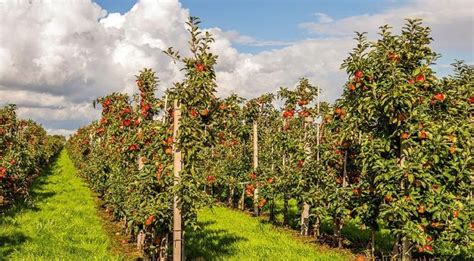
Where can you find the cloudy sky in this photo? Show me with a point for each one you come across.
(56, 56)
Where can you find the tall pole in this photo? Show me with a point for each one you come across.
(318, 124)
(306, 207)
(255, 165)
(165, 111)
(177, 230)
(318, 140)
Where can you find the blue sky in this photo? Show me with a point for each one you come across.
(266, 20)
(278, 20)
(74, 54)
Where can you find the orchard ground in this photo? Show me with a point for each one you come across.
(61, 221)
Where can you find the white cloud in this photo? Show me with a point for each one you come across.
(236, 37)
(324, 18)
(57, 56)
(452, 23)
(63, 132)
(251, 75)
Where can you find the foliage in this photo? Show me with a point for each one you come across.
(25, 148)
(393, 154)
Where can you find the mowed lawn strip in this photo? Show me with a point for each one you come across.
(232, 235)
(61, 223)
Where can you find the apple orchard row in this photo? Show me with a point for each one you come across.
(394, 152)
(25, 149)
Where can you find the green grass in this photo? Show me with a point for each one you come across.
(355, 238)
(228, 234)
(60, 222)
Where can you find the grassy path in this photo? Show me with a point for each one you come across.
(60, 224)
(232, 235)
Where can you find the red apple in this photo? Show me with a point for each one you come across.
(420, 78)
(455, 214)
(211, 179)
(149, 220)
(422, 134)
(253, 176)
(194, 113)
(421, 209)
(200, 67)
(204, 112)
(302, 102)
(126, 122)
(405, 135)
(439, 97)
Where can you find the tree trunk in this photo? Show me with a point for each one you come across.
(242, 199)
(316, 227)
(305, 219)
(163, 252)
(230, 197)
(177, 219)
(372, 244)
(338, 232)
(286, 218)
(272, 210)
(396, 249)
(141, 241)
(406, 253)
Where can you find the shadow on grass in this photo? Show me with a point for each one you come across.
(9, 242)
(210, 244)
(357, 239)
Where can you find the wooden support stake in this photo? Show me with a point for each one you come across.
(255, 166)
(304, 221)
(177, 230)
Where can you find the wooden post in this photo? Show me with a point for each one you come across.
(285, 197)
(318, 140)
(405, 244)
(304, 221)
(318, 125)
(272, 200)
(163, 119)
(344, 173)
(177, 230)
(338, 221)
(255, 166)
